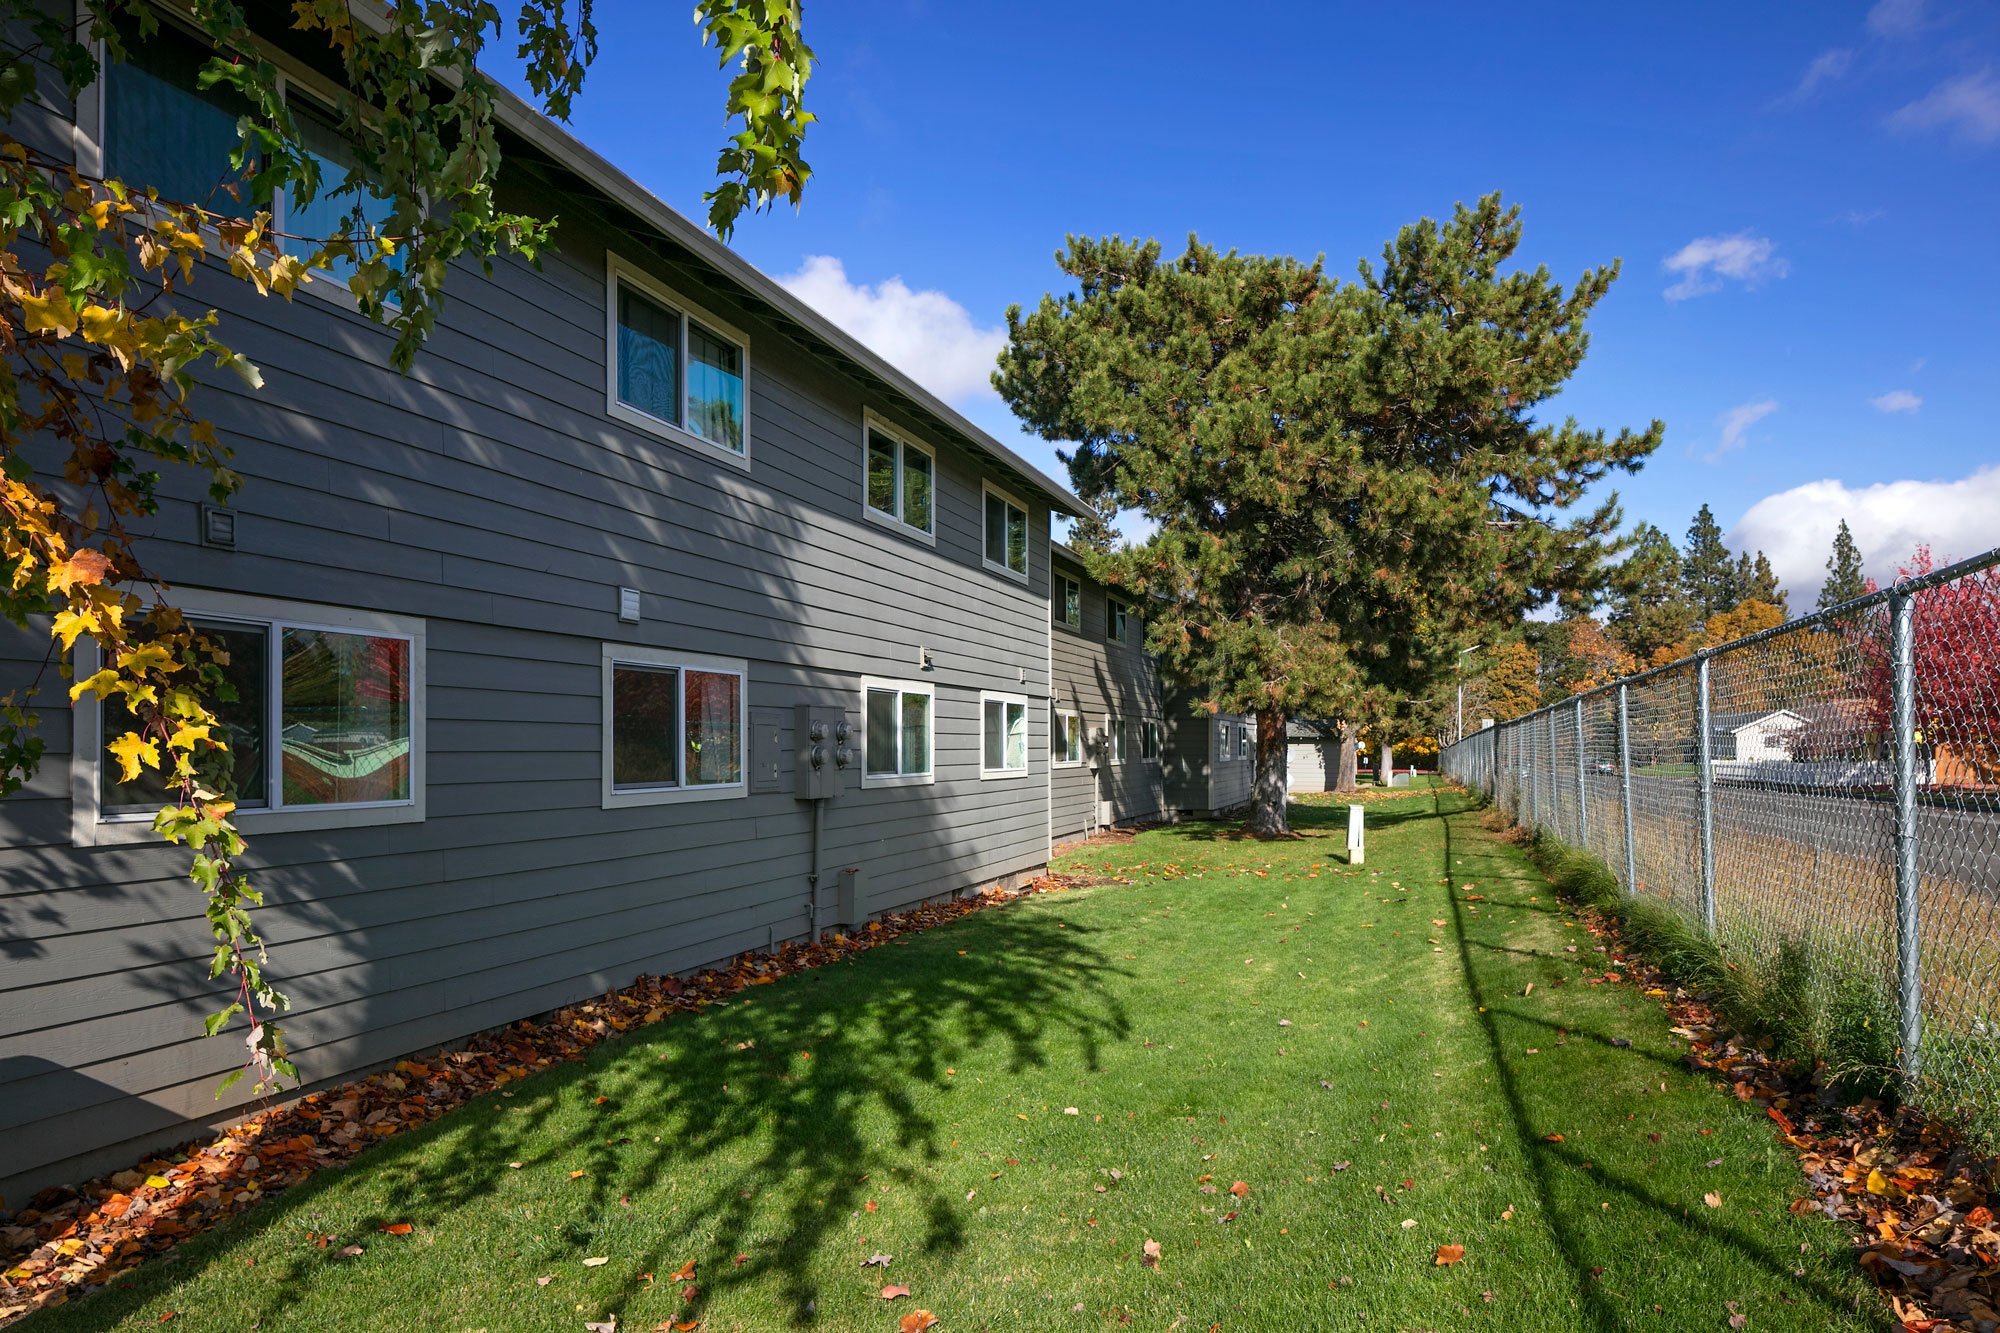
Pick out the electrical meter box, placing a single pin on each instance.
(822, 747)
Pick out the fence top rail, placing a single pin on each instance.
(1843, 611)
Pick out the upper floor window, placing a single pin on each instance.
(1149, 740)
(897, 732)
(901, 478)
(1115, 739)
(162, 128)
(361, 210)
(1006, 533)
(1004, 734)
(1114, 620)
(675, 369)
(673, 726)
(321, 710)
(1068, 602)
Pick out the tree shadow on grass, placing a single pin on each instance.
(1545, 1158)
(788, 1147)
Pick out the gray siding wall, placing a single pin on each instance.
(489, 493)
(1104, 680)
(1204, 775)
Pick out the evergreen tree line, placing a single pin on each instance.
(1661, 603)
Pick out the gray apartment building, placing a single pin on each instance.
(534, 645)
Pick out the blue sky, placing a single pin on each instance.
(1803, 195)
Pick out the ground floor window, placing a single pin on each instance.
(1004, 735)
(320, 709)
(1149, 740)
(897, 732)
(673, 726)
(1067, 731)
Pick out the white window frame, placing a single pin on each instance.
(615, 655)
(1057, 599)
(92, 826)
(1242, 741)
(1117, 611)
(902, 687)
(873, 424)
(1115, 738)
(987, 488)
(1027, 739)
(617, 270)
(1059, 756)
(1149, 738)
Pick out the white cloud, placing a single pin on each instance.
(1897, 400)
(1826, 67)
(1795, 527)
(1896, 18)
(1970, 105)
(1705, 261)
(925, 334)
(1736, 421)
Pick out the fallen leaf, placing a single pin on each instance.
(876, 1261)
(1448, 1255)
(396, 1228)
(894, 1290)
(1409, 1222)
(576, 1175)
(601, 1325)
(598, 1262)
(916, 1321)
(1240, 1189)
(544, 1281)
(1712, 1199)
(685, 1273)
(1149, 1254)
(350, 1251)
(869, 1206)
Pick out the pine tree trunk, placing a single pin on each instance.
(1385, 770)
(1267, 794)
(1347, 774)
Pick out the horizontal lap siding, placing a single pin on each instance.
(489, 494)
(1101, 680)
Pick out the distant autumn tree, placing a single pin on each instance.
(1513, 682)
(1579, 656)
(1350, 481)
(1956, 651)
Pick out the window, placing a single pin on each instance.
(1114, 620)
(162, 128)
(1067, 731)
(1242, 741)
(673, 726)
(1149, 740)
(361, 209)
(1004, 735)
(675, 370)
(901, 479)
(321, 710)
(1006, 533)
(1114, 735)
(1069, 603)
(897, 732)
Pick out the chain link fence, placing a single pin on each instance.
(1823, 798)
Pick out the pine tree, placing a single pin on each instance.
(1649, 608)
(1708, 578)
(1753, 580)
(1350, 481)
(1844, 580)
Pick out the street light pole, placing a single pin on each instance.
(1461, 690)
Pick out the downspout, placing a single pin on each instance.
(812, 875)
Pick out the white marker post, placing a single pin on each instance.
(1357, 854)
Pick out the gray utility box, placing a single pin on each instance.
(767, 749)
(850, 907)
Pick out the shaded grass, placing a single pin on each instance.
(1235, 1010)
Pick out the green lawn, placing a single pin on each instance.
(1233, 1011)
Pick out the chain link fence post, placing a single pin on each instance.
(1705, 761)
(1555, 801)
(1625, 784)
(1909, 983)
(1583, 807)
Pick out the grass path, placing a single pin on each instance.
(1353, 1045)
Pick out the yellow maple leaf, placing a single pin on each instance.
(131, 749)
(48, 314)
